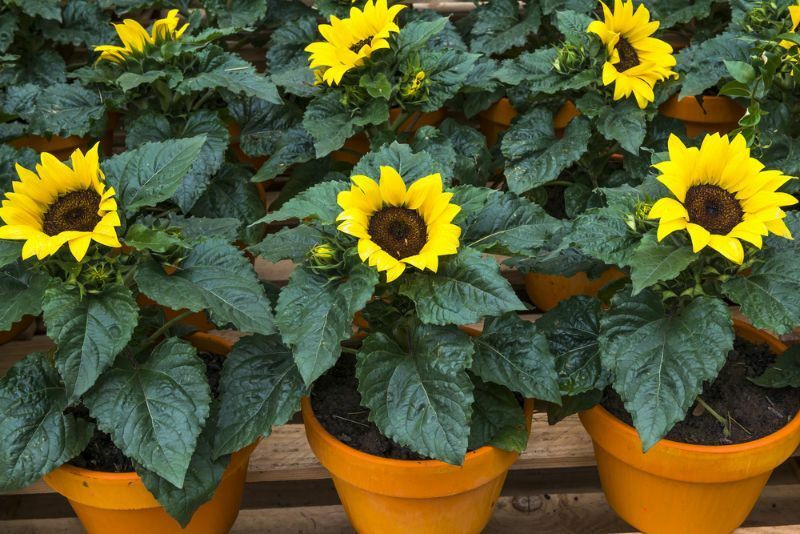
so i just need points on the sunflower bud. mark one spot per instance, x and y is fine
(570, 58)
(637, 220)
(413, 86)
(323, 254)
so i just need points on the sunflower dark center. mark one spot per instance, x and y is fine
(357, 46)
(628, 57)
(713, 208)
(399, 231)
(73, 211)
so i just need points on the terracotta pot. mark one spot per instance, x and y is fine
(63, 147)
(547, 290)
(678, 487)
(16, 329)
(119, 502)
(60, 147)
(718, 114)
(387, 496)
(358, 145)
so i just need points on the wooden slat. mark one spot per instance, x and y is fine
(541, 513)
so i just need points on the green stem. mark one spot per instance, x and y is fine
(166, 326)
(556, 183)
(349, 350)
(726, 429)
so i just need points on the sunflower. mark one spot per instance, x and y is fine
(794, 12)
(58, 204)
(636, 61)
(136, 40)
(723, 196)
(396, 226)
(348, 42)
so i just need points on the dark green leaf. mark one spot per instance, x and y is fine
(260, 387)
(535, 156)
(66, 109)
(497, 418)
(202, 478)
(513, 353)
(416, 34)
(508, 224)
(141, 237)
(572, 329)
(409, 164)
(660, 361)
(21, 292)
(466, 288)
(289, 243)
(702, 65)
(784, 373)
(231, 194)
(35, 434)
(89, 331)
(315, 314)
(316, 202)
(768, 296)
(154, 409)
(654, 262)
(151, 173)
(214, 276)
(623, 123)
(223, 70)
(420, 397)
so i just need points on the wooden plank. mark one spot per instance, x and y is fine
(542, 513)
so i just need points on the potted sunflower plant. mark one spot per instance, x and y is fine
(40, 107)
(589, 122)
(175, 81)
(702, 105)
(689, 408)
(373, 77)
(120, 415)
(417, 416)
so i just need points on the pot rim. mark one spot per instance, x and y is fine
(202, 341)
(749, 332)
(311, 420)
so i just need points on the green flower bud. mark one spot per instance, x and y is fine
(570, 58)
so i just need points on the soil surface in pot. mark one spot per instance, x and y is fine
(337, 406)
(753, 411)
(102, 455)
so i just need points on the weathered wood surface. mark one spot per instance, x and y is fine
(776, 513)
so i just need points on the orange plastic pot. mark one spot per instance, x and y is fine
(60, 147)
(497, 119)
(358, 145)
(16, 329)
(546, 291)
(718, 114)
(119, 502)
(389, 496)
(678, 487)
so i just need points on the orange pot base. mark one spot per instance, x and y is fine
(387, 496)
(679, 487)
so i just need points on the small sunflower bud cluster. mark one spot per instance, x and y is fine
(637, 219)
(570, 58)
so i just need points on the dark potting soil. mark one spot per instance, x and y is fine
(337, 406)
(102, 455)
(753, 411)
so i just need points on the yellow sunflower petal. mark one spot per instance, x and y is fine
(393, 188)
(700, 236)
(669, 209)
(730, 247)
(667, 227)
